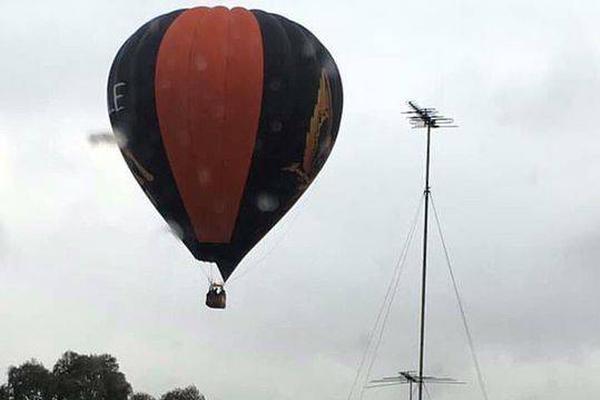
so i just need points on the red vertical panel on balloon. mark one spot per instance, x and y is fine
(209, 83)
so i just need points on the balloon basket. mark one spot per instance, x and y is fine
(216, 297)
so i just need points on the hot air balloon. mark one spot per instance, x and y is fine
(224, 117)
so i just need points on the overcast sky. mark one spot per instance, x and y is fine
(87, 264)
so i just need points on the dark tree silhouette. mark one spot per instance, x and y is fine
(29, 381)
(137, 396)
(188, 393)
(79, 377)
(93, 377)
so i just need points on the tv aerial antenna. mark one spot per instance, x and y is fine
(410, 378)
(425, 118)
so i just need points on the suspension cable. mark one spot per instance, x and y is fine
(412, 394)
(460, 304)
(372, 348)
(427, 391)
(276, 242)
(205, 273)
(390, 302)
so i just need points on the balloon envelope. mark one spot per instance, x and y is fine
(224, 118)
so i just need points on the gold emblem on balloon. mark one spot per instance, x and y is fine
(318, 139)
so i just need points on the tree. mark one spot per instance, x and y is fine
(29, 381)
(93, 377)
(136, 396)
(188, 393)
(4, 392)
(79, 377)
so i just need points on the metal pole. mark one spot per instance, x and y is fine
(410, 390)
(424, 280)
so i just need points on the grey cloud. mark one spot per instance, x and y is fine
(561, 99)
(516, 187)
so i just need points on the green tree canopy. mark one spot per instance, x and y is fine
(29, 381)
(4, 392)
(188, 393)
(89, 377)
(137, 396)
(79, 377)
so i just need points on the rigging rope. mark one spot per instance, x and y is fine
(372, 348)
(205, 273)
(460, 304)
(426, 391)
(211, 273)
(276, 242)
(390, 302)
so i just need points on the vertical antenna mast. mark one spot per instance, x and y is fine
(428, 118)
